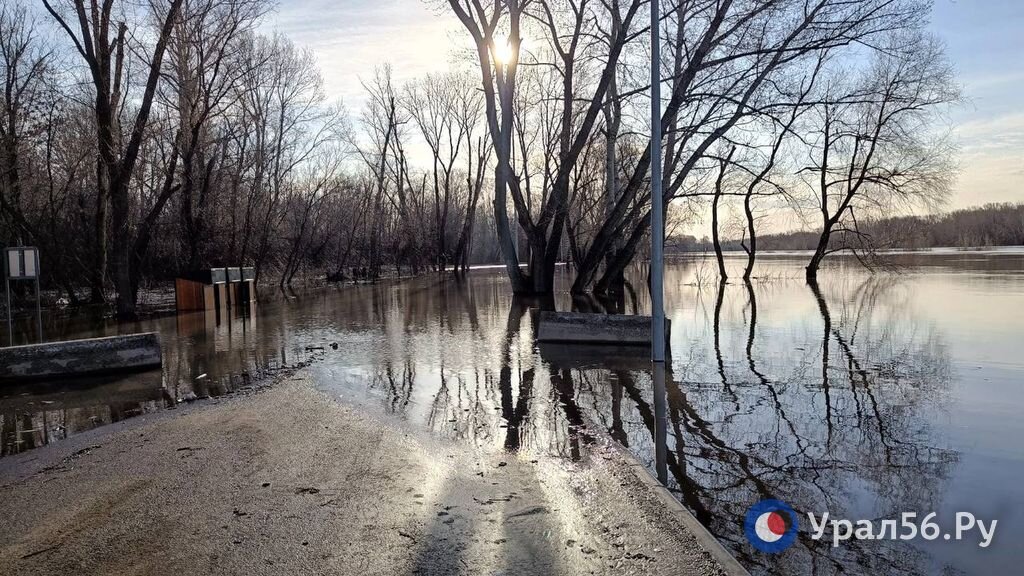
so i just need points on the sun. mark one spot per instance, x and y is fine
(502, 51)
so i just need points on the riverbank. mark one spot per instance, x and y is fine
(288, 481)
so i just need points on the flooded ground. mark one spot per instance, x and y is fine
(868, 397)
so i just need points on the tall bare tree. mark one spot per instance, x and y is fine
(874, 148)
(204, 70)
(103, 48)
(499, 66)
(733, 53)
(26, 69)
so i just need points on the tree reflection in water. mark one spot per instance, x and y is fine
(854, 442)
(829, 413)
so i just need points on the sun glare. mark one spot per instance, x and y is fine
(502, 51)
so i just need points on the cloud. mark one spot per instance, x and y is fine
(997, 133)
(350, 39)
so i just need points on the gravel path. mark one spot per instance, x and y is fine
(288, 481)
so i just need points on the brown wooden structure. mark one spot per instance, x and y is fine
(213, 288)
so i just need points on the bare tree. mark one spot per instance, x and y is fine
(25, 66)
(723, 165)
(437, 104)
(285, 105)
(205, 69)
(103, 50)
(733, 53)
(385, 123)
(498, 68)
(769, 142)
(305, 211)
(468, 111)
(874, 148)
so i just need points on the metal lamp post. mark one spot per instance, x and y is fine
(657, 201)
(658, 257)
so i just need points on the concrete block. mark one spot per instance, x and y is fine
(135, 352)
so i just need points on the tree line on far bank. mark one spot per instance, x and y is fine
(987, 226)
(140, 140)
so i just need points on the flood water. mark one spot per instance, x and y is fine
(871, 396)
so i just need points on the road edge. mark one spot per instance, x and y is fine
(673, 507)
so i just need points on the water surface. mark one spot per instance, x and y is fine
(869, 396)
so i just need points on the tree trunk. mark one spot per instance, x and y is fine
(121, 261)
(617, 267)
(722, 274)
(819, 255)
(501, 224)
(99, 270)
(723, 165)
(461, 258)
(613, 121)
(752, 247)
(540, 278)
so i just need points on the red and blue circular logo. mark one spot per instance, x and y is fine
(771, 526)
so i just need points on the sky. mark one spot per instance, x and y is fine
(351, 38)
(984, 41)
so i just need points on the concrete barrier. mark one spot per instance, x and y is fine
(595, 328)
(135, 352)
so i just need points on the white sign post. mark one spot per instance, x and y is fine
(21, 263)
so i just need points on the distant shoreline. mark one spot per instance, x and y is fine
(1002, 250)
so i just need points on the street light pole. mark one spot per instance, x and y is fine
(657, 201)
(10, 315)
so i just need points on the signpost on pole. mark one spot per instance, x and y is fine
(657, 201)
(21, 263)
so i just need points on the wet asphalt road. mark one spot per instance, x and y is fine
(287, 481)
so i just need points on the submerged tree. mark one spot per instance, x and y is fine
(499, 65)
(571, 49)
(733, 56)
(874, 149)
